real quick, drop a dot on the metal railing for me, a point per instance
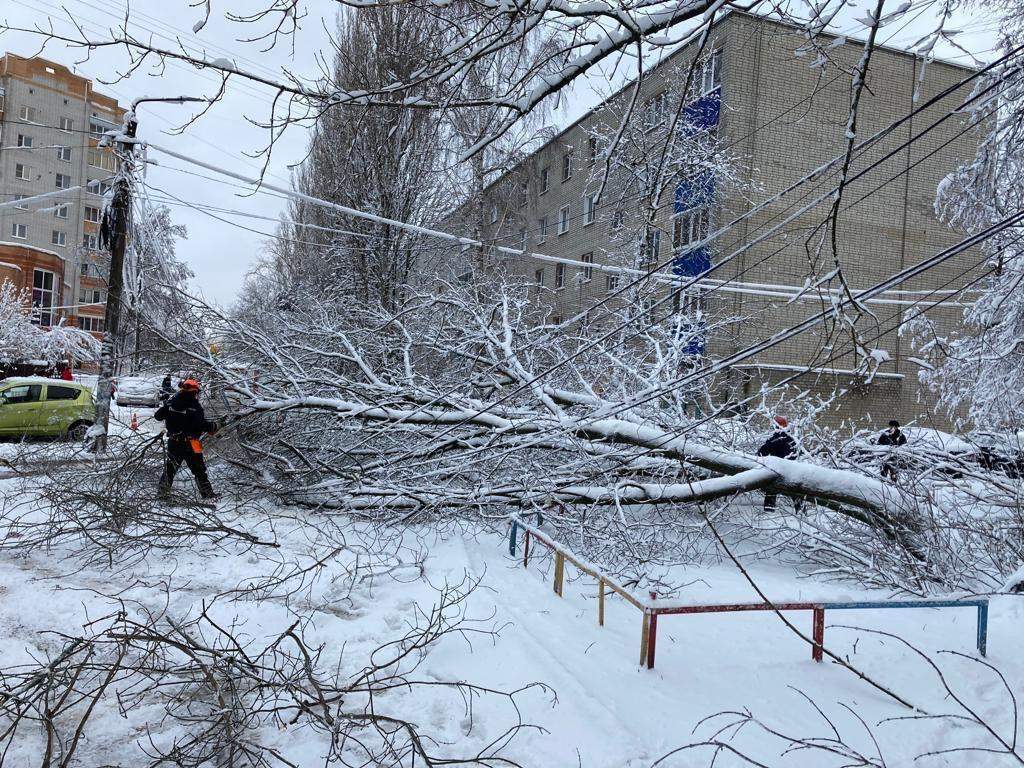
(653, 607)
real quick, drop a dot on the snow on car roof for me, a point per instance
(39, 380)
(936, 440)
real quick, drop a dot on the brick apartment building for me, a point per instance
(757, 93)
(51, 121)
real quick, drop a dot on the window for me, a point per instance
(646, 313)
(563, 219)
(98, 187)
(97, 129)
(64, 154)
(61, 211)
(23, 393)
(23, 172)
(611, 283)
(92, 213)
(618, 218)
(652, 246)
(538, 277)
(567, 165)
(711, 72)
(690, 227)
(592, 149)
(28, 114)
(90, 295)
(559, 275)
(65, 124)
(522, 239)
(556, 319)
(542, 229)
(692, 302)
(99, 158)
(91, 242)
(21, 207)
(590, 209)
(24, 141)
(57, 392)
(588, 272)
(62, 181)
(43, 283)
(59, 238)
(494, 214)
(94, 324)
(19, 231)
(545, 179)
(655, 113)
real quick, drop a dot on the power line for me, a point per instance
(469, 241)
(555, 366)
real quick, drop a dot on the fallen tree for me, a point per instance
(466, 402)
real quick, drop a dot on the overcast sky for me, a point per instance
(219, 250)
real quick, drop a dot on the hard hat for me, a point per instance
(782, 421)
(190, 384)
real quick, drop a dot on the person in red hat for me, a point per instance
(781, 445)
(186, 423)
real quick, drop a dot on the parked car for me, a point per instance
(1001, 452)
(138, 390)
(39, 407)
(926, 450)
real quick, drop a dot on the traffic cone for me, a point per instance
(134, 426)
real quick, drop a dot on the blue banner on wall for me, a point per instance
(701, 115)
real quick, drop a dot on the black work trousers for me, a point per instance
(772, 499)
(179, 450)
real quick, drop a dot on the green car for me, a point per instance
(38, 407)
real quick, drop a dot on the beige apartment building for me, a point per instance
(772, 115)
(51, 121)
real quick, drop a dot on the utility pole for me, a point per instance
(114, 230)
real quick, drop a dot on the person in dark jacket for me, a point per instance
(781, 445)
(186, 422)
(893, 438)
(166, 390)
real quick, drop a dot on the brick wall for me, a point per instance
(782, 118)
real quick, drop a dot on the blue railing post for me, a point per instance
(983, 627)
(513, 532)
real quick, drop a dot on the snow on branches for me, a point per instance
(461, 403)
(23, 340)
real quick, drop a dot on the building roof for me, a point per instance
(27, 247)
(31, 68)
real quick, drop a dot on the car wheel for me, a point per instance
(76, 432)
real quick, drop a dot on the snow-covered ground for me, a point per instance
(598, 708)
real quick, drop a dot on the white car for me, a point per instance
(137, 390)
